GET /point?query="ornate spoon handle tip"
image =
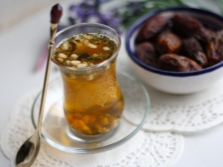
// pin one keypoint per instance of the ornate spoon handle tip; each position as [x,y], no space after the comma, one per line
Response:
[56,13]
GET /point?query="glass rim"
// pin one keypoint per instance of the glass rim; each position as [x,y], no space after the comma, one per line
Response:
[96,65]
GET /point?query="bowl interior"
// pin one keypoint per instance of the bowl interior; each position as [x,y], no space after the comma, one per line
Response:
[207,18]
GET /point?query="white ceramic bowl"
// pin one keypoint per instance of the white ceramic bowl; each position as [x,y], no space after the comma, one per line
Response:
[175,82]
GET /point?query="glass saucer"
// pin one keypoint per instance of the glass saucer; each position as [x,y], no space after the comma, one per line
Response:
[55,130]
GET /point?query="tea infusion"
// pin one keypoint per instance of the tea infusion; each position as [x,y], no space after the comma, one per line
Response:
[93,101]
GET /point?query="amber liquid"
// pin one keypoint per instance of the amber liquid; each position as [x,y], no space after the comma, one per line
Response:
[93,107]
[93,101]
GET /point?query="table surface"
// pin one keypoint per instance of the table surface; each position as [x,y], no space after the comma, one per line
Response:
[20,46]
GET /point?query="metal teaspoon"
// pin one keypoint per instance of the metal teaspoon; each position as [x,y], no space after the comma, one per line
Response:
[30,149]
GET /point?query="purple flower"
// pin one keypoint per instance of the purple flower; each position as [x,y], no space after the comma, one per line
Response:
[89,11]
[109,19]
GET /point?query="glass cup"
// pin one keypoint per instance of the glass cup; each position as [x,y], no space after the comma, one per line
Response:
[93,101]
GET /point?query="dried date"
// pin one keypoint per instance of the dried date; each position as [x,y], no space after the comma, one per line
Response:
[191,48]
[190,27]
[214,48]
[146,53]
[151,28]
[177,63]
[198,46]
[168,43]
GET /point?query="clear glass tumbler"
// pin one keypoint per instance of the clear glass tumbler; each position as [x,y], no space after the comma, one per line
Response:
[93,101]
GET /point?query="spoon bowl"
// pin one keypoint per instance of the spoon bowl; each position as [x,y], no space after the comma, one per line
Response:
[28,151]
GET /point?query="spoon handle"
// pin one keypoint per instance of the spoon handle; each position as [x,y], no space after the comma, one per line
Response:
[56,13]
[30,149]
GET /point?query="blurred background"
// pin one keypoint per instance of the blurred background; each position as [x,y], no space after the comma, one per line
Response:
[14,11]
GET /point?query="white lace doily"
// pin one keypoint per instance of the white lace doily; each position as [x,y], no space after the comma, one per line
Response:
[144,149]
[179,113]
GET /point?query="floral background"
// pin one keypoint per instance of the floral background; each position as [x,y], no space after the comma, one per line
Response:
[122,16]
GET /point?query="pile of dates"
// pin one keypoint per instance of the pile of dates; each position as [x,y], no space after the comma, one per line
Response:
[180,43]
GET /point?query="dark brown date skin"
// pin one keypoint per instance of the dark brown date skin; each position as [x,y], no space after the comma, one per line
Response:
[168,43]
[151,28]
[177,63]
[146,53]
[214,48]
[191,48]
[190,27]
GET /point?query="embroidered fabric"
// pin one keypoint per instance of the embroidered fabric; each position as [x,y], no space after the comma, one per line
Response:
[155,149]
